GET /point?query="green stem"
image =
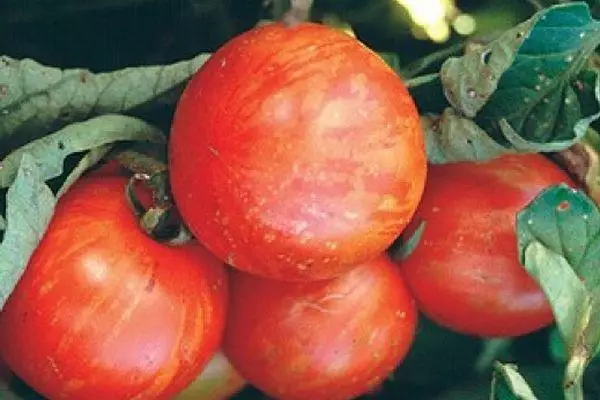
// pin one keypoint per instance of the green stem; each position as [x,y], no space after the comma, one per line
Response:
[420,80]
[575,392]
[415,68]
[573,383]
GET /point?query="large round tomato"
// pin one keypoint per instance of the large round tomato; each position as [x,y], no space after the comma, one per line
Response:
[465,272]
[328,340]
[105,312]
[296,153]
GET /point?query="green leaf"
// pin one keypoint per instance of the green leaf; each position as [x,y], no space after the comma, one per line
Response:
[391,59]
[29,208]
[544,379]
[452,138]
[567,222]
[524,88]
[38,99]
[566,293]
[508,384]
[408,245]
[558,351]
[90,159]
[492,349]
[50,151]
[535,95]
[558,235]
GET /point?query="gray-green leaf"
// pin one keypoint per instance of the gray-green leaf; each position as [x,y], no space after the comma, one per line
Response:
[536,95]
[50,151]
[452,138]
[509,384]
[38,99]
[567,222]
[566,293]
[29,208]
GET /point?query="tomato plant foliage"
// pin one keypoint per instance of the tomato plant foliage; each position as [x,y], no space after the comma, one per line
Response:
[533,88]
[522,92]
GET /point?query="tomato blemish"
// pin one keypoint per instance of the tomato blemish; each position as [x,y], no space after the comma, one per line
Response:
[563,206]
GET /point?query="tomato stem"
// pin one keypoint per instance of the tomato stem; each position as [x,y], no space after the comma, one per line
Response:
[573,385]
[138,162]
[160,221]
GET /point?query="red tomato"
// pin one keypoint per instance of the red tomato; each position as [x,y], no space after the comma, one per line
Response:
[299,142]
[465,272]
[327,340]
[105,312]
[218,381]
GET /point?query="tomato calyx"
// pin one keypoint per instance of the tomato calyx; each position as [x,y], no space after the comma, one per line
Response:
[160,220]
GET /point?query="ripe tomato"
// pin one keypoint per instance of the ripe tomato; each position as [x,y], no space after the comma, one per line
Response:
[332,339]
[465,272]
[302,143]
[105,312]
[218,381]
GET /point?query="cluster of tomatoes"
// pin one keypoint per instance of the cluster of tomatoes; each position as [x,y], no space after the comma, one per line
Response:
[296,158]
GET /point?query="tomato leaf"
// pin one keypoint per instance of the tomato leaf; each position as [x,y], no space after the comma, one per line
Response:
[565,291]
[492,349]
[38,99]
[50,151]
[559,244]
[408,244]
[90,159]
[567,222]
[29,208]
[524,89]
[452,138]
[508,384]
[535,95]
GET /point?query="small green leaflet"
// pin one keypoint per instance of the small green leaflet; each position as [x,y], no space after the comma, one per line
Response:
[508,384]
[41,99]
[51,151]
[529,90]
[453,138]
[563,288]
[29,208]
[559,243]
[567,222]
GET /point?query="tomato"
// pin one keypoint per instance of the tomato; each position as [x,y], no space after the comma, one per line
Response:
[328,339]
[104,312]
[465,272]
[300,142]
[218,381]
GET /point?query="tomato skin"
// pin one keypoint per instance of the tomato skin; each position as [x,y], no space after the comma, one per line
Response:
[333,339]
[301,142]
[105,312]
[465,272]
